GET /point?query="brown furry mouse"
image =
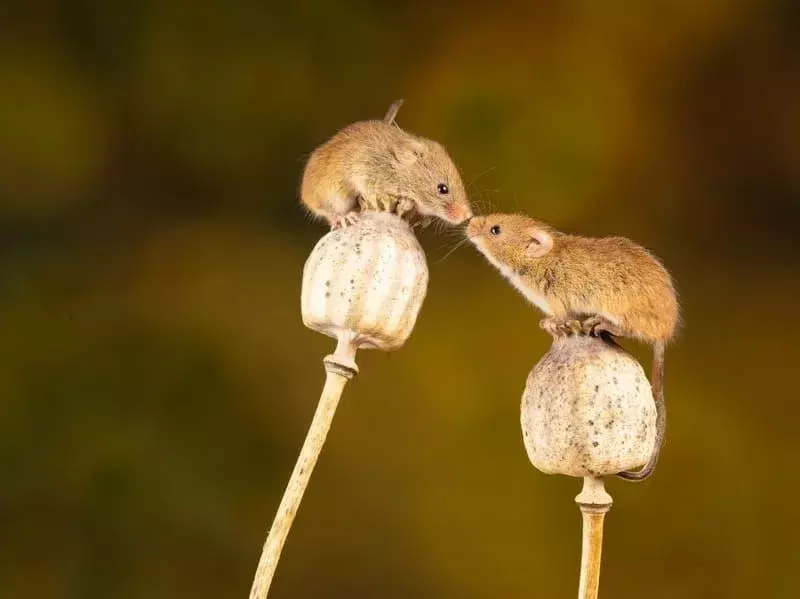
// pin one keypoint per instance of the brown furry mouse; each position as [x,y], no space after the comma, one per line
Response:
[375,165]
[593,285]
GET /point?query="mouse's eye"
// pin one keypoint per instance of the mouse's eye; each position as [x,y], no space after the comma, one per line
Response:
[443,189]
[495,230]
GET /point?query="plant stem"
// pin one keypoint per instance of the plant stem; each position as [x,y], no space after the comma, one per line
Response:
[340,368]
[594,502]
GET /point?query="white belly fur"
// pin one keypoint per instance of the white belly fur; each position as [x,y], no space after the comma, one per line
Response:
[536,299]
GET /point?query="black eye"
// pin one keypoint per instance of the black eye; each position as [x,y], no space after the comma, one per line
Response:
[443,189]
[495,230]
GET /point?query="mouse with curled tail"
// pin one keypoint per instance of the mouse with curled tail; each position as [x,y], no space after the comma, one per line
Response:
[595,286]
[375,165]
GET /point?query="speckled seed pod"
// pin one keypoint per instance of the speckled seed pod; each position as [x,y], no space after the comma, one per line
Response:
[369,278]
[588,410]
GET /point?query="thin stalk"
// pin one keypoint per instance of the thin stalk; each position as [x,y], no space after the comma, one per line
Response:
[340,368]
[594,502]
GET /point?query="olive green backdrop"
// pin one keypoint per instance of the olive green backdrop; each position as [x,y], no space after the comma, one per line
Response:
[156,381]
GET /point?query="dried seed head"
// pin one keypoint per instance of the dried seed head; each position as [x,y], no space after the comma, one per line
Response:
[369,279]
[588,410]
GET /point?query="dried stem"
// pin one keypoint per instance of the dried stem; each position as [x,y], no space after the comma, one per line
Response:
[594,502]
[341,367]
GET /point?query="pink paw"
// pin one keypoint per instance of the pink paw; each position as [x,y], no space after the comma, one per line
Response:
[341,222]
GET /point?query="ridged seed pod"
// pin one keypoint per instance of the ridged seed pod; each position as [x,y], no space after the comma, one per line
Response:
[369,279]
[588,410]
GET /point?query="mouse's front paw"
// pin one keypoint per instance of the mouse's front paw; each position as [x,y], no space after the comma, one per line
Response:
[340,222]
[549,325]
[405,209]
[561,328]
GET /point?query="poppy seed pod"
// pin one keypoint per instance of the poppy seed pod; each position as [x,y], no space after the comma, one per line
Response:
[364,286]
[368,279]
[588,409]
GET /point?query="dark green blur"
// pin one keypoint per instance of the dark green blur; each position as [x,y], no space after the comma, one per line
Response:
[156,381]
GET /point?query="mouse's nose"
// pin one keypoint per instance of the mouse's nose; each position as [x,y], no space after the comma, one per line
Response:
[458,214]
[475,225]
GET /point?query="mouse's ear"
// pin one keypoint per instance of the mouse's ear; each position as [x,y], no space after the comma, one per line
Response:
[408,153]
[540,242]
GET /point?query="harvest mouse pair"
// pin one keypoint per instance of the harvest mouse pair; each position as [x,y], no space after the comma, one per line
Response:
[591,285]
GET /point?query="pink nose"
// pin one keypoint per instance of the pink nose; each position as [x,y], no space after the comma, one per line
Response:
[475,225]
[459,213]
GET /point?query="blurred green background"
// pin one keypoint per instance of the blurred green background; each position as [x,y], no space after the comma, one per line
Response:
[156,381]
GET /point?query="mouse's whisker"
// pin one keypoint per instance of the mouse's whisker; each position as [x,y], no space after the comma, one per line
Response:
[482,203]
[481,174]
[485,205]
[472,185]
[455,247]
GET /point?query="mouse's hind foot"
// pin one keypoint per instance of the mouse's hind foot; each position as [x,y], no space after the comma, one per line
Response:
[597,325]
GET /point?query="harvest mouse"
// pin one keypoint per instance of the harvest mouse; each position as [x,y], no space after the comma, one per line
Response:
[590,284]
[375,165]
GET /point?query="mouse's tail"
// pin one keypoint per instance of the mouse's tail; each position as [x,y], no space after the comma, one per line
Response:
[392,112]
[661,416]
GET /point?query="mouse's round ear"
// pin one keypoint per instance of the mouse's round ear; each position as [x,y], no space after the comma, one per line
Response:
[409,152]
[540,242]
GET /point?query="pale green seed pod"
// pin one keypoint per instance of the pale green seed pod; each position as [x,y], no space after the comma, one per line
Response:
[368,279]
[588,410]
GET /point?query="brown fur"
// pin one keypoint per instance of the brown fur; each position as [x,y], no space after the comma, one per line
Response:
[375,165]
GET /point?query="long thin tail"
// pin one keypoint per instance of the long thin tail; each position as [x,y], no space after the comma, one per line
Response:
[392,112]
[661,417]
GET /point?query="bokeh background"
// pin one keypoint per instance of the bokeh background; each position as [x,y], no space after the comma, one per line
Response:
[156,381]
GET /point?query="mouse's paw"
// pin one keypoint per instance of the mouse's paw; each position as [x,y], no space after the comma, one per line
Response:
[388,204]
[597,325]
[404,208]
[340,222]
[549,326]
[561,328]
[572,327]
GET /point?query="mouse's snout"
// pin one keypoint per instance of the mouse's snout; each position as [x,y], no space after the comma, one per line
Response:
[475,226]
[458,213]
